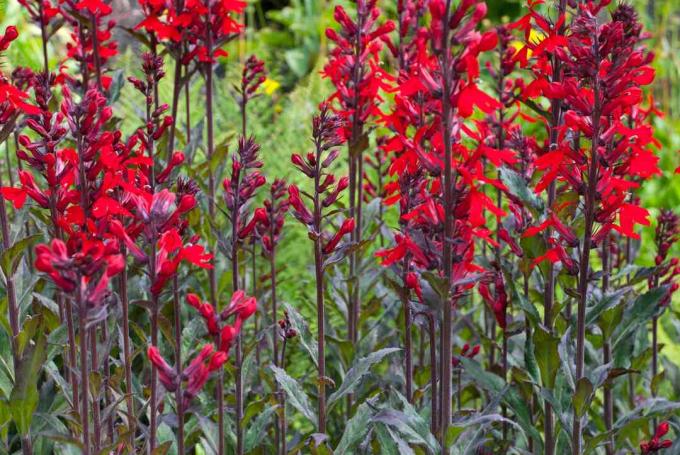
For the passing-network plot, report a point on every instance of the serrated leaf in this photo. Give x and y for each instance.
(356, 429)
(296, 396)
(403, 423)
(304, 334)
(257, 429)
(354, 375)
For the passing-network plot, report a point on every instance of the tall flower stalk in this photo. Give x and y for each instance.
(353, 69)
(270, 230)
(326, 135)
(239, 189)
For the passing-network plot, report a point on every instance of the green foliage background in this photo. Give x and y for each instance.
(288, 36)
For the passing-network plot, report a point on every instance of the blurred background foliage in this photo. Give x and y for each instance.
(289, 36)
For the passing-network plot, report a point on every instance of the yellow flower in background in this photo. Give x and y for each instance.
(270, 86)
(535, 37)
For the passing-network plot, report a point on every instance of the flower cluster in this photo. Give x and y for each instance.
(326, 136)
(601, 87)
(194, 375)
(82, 268)
(253, 76)
(186, 26)
(276, 207)
(286, 329)
(241, 186)
(353, 65)
(91, 43)
(240, 306)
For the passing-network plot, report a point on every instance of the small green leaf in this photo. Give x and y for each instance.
(304, 334)
(519, 188)
(11, 257)
(582, 396)
(296, 396)
(605, 302)
(354, 375)
(547, 357)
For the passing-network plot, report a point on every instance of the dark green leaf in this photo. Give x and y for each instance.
(547, 357)
(296, 396)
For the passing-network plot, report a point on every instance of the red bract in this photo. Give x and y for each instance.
(241, 306)
(12, 98)
(498, 300)
(195, 375)
(84, 267)
(315, 166)
(466, 352)
(656, 443)
(269, 231)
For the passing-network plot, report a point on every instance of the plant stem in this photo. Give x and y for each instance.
(446, 118)
(13, 307)
(258, 348)
(549, 292)
(459, 391)
(108, 395)
(408, 359)
(606, 351)
(212, 277)
(239, 348)
(584, 266)
(94, 358)
(177, 310)
(355, 187)
(281, 424)
(84, 373)
(95, 51)
(127, 356)
(153, 402)
(283, 449)
(433, 372)
(320, 309)
(43, 36)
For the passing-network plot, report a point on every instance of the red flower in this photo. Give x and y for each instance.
(656, 443)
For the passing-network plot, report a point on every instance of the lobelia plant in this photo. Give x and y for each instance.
(326, 135)
(239, 189)
(484, 163)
